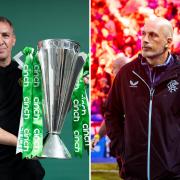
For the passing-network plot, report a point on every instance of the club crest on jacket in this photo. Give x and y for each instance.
(172, 86)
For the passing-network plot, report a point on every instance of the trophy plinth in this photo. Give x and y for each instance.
(55, 148)
(60, 65)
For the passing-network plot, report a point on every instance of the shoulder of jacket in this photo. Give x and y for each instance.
(131, 65)
(176, 57)
(126, 69)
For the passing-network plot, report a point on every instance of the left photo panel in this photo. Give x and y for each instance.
(44, 90)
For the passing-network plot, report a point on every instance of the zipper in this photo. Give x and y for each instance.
(142, 80)
(149, 133)
(151, 93)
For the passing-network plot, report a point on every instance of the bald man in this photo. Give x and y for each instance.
(143, 110)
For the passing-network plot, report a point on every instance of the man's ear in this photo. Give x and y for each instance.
(14, 40)
(169, 40)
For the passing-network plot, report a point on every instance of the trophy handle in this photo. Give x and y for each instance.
(54, 147)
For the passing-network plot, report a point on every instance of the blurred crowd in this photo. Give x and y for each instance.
(115, 39)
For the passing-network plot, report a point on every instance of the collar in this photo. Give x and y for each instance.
(168, 61)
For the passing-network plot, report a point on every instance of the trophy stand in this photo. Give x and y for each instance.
(54, 147)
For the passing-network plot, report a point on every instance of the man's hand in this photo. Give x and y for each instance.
(7, 138)
(95, 141)
(86, 79)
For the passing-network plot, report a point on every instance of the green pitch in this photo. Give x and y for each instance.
(107, 171)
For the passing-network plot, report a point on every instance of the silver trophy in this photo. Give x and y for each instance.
(60, 66)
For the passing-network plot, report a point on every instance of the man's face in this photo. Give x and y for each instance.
(153, 40)
(7, 41)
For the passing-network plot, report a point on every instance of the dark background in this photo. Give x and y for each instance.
(37, 20)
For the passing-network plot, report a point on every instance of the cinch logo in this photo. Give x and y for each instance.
(133, 84)
(172, 86)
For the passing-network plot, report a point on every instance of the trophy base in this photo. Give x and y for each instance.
(55, 148)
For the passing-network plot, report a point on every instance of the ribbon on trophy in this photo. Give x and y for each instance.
(30, 138)
(81, 113)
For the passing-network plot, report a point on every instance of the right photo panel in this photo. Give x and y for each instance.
(135, 89)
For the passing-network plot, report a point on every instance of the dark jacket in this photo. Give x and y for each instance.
(134, 106)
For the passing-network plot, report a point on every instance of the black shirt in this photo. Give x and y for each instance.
(12, 166)
(10, 104)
